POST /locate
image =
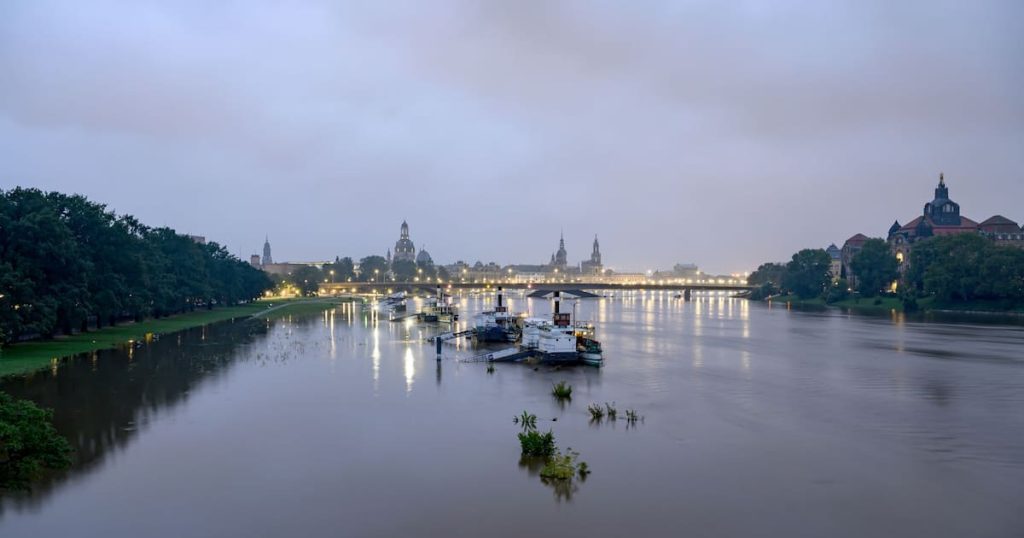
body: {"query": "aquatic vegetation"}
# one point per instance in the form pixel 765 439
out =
pixel 632 416
pixel 596 411
pixel 490 368
pixel 534 443
pixel 613 413
pixel 562 390
pixel 29 444
pixel 527 420
pixel 563 466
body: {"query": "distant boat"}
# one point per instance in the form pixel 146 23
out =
pixel 439 309
pixel 498 325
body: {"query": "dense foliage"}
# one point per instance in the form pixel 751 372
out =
pixel 875 266
pixel 966 267
pixel 29 445
pixel 67 263
pixel 807 274
pixel 951 269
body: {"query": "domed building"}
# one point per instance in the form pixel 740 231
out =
pixel 405 250
pixel 423 258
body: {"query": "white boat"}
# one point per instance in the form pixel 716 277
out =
pixel 551 340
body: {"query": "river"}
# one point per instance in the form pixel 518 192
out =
pixel 757 421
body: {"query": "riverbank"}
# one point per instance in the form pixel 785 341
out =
pixel 29 356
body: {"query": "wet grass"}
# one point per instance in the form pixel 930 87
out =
pixel 30 356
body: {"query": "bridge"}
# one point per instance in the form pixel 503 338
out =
pixel 328 288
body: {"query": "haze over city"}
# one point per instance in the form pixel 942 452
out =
pixel 720 135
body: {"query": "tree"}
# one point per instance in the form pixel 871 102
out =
pixel 768 277
pixel 66 261
pixel 29 444
pixel 343 269
pixel 372 268
pixel 404 270
pixel 965 267
pixel 807 274
pixel 767 273
pixel 307 278
pixel 875 266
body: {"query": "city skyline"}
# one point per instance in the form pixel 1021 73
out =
pixel 725 136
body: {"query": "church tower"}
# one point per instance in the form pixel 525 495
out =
pixel 561 257
pixel 942 211
pixel 267 258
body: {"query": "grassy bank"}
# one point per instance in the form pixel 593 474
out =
pixel 29 356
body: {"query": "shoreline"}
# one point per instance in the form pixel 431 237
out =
pixel 27 357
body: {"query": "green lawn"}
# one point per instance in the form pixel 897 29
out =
pixel 29 356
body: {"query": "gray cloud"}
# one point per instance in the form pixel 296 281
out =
pixel 677 131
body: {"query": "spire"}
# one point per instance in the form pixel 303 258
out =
pixel 942 180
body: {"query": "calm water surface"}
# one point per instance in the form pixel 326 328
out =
pixel 758 422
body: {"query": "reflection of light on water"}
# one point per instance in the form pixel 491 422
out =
pixel 409 368
pixel 375 355
pixel 745 360
pixel 330 325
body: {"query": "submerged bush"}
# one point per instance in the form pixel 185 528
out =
pixel 564 467
pixel 612 412
pixel 562 390
pixel 29 444
pixel 534 443
pixel 596 411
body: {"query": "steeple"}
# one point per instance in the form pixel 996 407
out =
pixel 941 192
pixel 267 258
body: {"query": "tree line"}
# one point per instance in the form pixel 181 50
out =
pixel 951 269
pixel 371 268
pixel 68 264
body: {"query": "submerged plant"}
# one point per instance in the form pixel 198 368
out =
pixel 562 390
pixel 563 466
pixel 612 412
pixel 534 443
pixel 596 411
pixel 490 368
pixel 632 416
pixel 527 420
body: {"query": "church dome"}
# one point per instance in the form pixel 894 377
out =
pixel 424 257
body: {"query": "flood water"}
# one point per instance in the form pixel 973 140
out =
pixel 757 421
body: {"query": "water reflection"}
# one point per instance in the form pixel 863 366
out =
pixel 103 400
pixel 924 415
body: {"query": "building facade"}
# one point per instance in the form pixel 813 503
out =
pixel 941 216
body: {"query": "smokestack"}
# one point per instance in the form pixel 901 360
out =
pixel 499 296
pixel 558 294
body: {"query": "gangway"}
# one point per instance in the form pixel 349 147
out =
pixel 451 335
pixel 405 317
pixel 503 355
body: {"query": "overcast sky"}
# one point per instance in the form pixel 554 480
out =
pixel 677 132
